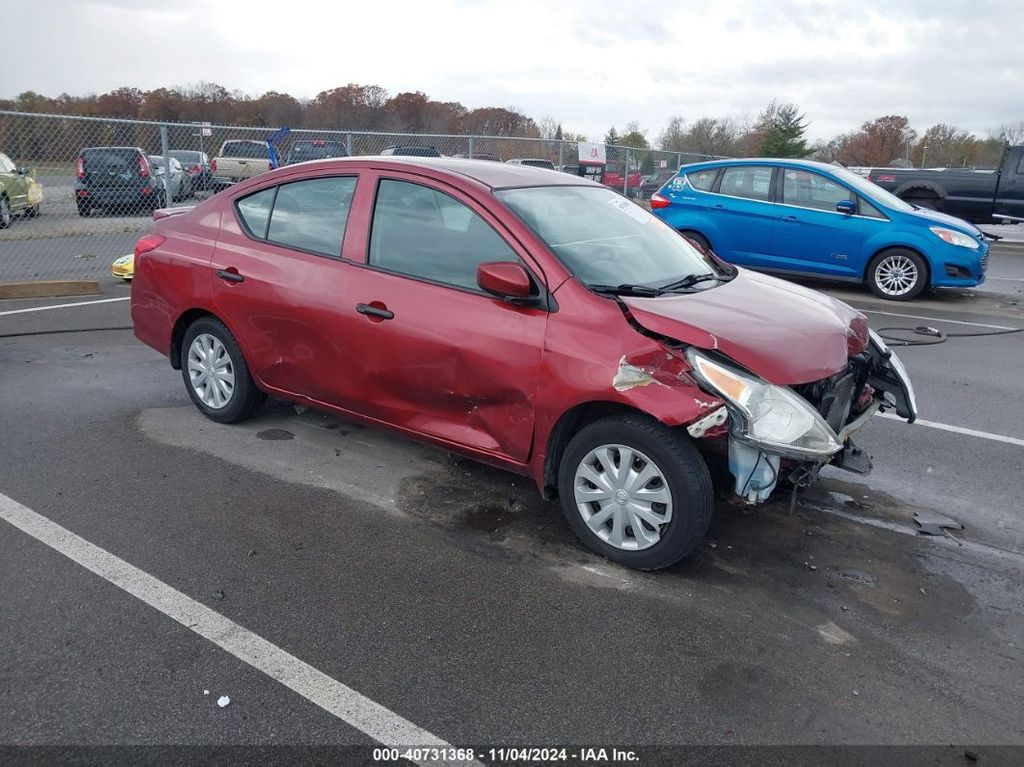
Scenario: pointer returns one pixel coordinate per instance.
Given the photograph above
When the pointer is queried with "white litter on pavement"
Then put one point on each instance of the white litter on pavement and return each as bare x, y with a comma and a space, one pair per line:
223, 700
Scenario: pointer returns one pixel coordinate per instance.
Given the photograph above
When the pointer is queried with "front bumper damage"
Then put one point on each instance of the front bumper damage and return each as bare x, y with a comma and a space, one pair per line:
874, 380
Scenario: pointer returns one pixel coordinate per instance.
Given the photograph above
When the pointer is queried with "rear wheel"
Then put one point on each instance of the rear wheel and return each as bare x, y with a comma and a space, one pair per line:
5, 213
897, 274
33, 211
215, 374
698, 239
635, 491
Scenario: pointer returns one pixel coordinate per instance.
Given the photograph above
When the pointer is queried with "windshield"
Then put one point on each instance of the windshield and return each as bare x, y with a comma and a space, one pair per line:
870, 190
603, 238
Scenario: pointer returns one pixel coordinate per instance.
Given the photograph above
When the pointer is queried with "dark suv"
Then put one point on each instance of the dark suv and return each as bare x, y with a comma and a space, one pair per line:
315, 149
118, 179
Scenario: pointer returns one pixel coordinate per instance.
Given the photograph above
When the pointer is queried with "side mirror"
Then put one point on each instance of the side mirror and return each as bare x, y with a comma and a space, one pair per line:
504, 279
846, 207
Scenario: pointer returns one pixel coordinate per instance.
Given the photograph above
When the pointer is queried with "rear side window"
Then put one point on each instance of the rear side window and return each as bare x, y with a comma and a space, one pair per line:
424, 233
702, 180
254, 211
311, 215
809, 190
753, 182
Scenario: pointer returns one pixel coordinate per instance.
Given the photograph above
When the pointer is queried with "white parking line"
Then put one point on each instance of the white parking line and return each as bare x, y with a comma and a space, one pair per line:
936, 319
65, 306
959, 430
373, 719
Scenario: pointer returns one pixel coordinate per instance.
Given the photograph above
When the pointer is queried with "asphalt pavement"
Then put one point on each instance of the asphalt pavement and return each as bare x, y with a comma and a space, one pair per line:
453, 597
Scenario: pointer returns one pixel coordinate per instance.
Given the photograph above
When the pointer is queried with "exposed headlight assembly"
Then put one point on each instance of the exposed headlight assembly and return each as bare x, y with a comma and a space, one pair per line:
954, 237
772, 417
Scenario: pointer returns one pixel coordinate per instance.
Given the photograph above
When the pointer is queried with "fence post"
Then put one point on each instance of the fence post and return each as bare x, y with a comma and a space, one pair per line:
470, 147
561, 155
166, 147
625, 174
348, 144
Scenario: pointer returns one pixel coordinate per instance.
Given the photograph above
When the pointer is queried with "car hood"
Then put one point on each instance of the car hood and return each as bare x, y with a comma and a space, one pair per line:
947, 220
784, 333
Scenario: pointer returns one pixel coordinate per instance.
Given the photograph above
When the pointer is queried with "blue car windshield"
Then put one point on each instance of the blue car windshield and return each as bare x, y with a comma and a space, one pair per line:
872, 191
605, 239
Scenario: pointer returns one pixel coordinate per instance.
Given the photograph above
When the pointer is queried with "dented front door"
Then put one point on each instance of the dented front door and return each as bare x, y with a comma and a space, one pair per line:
432, 352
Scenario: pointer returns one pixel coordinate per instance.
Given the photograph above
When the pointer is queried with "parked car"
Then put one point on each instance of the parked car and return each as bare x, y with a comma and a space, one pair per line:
315, 149
534, 321
118, 179
978, 196
238, 160
177, 183
196, 165
19, 192
808, 218
123, 267
613, 179
533, 162
653, 183
411, 151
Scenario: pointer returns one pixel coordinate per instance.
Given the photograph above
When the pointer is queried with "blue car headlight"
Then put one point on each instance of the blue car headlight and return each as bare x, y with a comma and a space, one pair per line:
954, 237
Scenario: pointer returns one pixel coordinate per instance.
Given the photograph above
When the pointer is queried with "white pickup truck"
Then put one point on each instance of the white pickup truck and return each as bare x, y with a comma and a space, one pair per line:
238, 160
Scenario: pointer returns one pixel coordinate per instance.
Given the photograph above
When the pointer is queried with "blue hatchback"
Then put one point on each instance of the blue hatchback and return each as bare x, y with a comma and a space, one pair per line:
802, 217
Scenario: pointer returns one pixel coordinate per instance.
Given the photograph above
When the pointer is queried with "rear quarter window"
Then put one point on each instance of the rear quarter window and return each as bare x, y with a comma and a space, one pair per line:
702, 180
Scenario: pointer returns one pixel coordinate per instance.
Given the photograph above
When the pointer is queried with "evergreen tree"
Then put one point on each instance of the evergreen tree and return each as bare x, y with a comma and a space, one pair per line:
783, 129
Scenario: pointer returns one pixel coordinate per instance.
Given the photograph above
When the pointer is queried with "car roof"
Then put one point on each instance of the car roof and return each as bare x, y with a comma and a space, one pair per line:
787, 162
495, 175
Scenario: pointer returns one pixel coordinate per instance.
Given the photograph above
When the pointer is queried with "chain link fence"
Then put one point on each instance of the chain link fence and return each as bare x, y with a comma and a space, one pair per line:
77, 192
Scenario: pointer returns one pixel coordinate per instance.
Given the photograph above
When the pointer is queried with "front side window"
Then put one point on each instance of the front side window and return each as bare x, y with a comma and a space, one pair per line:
424, 233
753, 182
865, 208
603, 238
809, 190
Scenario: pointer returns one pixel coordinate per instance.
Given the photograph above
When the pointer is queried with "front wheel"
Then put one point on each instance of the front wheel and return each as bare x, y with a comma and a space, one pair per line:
897, 274
635, 491
216, 376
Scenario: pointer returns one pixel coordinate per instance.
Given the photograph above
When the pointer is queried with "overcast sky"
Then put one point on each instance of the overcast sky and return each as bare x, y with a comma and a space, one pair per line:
588, 63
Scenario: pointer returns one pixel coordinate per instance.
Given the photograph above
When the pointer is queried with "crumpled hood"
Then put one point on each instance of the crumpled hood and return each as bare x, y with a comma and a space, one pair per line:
783, 332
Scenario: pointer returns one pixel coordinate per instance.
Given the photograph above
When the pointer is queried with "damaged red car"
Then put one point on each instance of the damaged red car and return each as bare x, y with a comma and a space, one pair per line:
531, 320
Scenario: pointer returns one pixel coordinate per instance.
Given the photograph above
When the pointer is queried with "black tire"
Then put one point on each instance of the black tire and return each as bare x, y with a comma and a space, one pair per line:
685, 474
874, 278
5, 213
33, 212
698, 239
245, 399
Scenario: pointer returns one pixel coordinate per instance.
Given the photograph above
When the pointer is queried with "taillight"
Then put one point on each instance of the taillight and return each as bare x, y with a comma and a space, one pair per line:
143, 167
80, 167
657, 201
195, 169
213, 165
147, 243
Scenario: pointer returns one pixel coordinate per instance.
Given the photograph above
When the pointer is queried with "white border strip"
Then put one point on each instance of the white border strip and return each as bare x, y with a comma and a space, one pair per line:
65, 306
959, 430
936, 319
370, 718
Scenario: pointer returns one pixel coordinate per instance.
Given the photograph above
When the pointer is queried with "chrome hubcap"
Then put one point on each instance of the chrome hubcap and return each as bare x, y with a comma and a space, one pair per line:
210, 371
896, 275
623, 497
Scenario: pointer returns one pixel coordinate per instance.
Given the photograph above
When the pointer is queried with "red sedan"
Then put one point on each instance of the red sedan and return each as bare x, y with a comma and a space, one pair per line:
532, 320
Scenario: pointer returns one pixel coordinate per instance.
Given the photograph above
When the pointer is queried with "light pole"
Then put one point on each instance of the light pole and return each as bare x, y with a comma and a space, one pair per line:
924, 153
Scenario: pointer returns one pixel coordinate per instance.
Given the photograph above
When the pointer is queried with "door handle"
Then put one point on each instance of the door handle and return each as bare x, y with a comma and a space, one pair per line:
230, 274
718, 206
375, 311
790, 218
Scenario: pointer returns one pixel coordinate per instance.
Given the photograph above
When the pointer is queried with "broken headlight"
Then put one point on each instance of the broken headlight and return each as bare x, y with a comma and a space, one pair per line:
772, 417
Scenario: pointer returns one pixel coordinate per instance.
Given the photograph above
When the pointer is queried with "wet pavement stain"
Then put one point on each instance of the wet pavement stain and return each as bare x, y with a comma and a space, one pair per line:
275, 434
